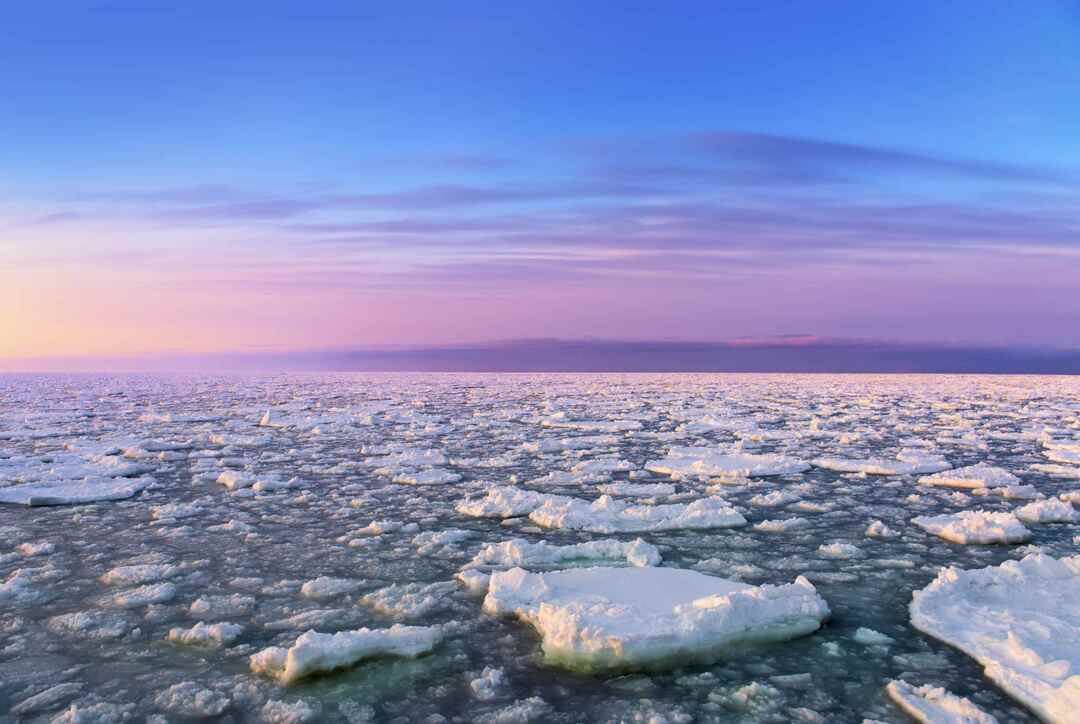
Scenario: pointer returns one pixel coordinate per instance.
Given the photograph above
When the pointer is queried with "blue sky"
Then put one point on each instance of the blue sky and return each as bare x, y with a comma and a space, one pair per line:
327, 174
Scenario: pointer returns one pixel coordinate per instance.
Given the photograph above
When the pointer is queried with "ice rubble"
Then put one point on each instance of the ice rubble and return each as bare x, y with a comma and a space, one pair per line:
972, 476
608, 515
975, 526
602, 618
934, 705
1020, 621
706, 462
317, 652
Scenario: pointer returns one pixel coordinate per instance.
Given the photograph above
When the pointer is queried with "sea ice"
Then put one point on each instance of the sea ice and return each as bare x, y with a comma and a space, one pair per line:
934, 705
88, 490
206, 634
316, 652
907, 462
975, 526
972, 476
1047, 511
608, 515
1020, 620
504, 502
520, 552
600, 618
706, 462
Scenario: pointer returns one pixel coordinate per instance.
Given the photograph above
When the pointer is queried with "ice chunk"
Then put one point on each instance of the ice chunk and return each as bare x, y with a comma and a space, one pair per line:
137, 575
88, 490
870, 637
409, 599
608, 515
975, 526
934, 705
600, 618
326, 587
520, 552
191, 700
504, 502
434, 476
316, 652
705, 462
48, 699
839, 550
487, 686
1047, 511
1058, 471
146, 595
774, 499
1020, 621
206, 634
782, 525
637, 490
907, 462
972, 476
878, 529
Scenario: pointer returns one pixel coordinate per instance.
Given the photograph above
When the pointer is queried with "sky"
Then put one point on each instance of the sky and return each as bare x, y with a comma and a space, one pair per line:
221, 179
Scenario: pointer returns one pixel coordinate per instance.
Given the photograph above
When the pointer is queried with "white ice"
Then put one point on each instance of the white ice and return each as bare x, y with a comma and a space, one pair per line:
1020, 621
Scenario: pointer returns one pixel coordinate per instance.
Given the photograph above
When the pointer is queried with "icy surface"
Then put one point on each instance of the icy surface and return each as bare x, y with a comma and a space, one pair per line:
934, 705
972, 476
318, 652
599, 618
1019, 620
975, 526
207, 518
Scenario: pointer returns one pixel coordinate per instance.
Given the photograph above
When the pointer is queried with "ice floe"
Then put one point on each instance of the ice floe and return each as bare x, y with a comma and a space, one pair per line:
975, 526
319, 652
706, 462
972, 476
600, 618
934, 705
609, 515
1020, 621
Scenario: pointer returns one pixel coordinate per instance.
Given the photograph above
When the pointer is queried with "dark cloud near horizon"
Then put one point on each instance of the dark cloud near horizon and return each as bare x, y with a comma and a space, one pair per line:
784, 354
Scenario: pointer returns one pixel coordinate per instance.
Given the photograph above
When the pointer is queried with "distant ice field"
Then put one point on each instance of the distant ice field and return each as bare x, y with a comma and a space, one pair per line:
539, 548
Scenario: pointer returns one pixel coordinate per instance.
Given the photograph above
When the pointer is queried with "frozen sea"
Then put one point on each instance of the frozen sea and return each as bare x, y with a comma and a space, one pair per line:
275, 505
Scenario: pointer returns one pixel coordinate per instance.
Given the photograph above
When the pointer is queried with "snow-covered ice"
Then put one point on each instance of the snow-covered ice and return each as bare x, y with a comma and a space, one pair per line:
1020, 621
317, 652
933, 705
610, 515
975, 526
600, 618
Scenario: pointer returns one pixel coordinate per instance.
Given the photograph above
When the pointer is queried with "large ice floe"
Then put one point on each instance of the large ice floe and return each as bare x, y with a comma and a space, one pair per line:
1020, 621
606, 618
319, 652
